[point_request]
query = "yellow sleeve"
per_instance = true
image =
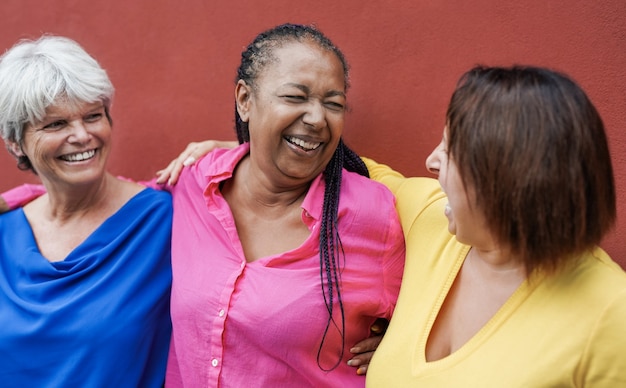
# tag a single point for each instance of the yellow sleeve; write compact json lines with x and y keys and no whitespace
{"x":604,"y":362}
{"x":413,"y":195}
{"x":384,"y":174}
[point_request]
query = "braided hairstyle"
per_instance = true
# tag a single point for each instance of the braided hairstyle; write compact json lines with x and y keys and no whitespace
{"x":254,"y":60}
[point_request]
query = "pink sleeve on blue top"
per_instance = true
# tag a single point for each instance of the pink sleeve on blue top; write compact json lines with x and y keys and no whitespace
{"x":23,"y":194}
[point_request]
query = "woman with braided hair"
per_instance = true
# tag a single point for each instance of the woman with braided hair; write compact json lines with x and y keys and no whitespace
{"x":280,"y":261}
{"x":279,"y":234}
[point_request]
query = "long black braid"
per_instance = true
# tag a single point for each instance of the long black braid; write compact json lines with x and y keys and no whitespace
{"x":253,"y":60}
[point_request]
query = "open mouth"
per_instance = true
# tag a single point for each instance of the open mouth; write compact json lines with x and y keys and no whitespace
{"x":305,"y":145}
{"x":79,"y":156}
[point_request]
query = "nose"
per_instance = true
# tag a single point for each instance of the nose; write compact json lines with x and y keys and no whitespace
{"x":433,"y":162}
{"x":315,"y":115}
{"x":79,"y":133}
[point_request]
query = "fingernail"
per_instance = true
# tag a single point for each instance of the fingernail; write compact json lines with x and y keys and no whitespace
{"x":355,"y":349}
{"x":189,"y":160}
{"x":361,"y":370}
{"x":351,"y":362}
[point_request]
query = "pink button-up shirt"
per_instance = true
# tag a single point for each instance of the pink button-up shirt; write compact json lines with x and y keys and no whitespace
{"x":260,"y":324}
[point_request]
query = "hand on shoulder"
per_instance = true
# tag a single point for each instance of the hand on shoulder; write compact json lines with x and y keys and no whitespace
{"x":193,"y":152}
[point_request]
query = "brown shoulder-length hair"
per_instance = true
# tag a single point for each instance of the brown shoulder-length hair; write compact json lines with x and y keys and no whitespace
{"x":532,"y":146}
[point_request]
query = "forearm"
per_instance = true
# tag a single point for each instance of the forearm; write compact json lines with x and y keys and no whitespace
{"x":20,"y":196}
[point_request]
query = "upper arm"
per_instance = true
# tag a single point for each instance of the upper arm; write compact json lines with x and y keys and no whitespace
{"x":384,"y":174}
{"x":393,"y":263}
{"x":604,"y":361}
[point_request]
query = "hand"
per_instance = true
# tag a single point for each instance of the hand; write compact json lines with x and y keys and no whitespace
{"x":3,"y":206}
{"x":193,"y":152}
{"x":364,"y":350}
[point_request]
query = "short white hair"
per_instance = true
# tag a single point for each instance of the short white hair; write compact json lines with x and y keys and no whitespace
{"x":35,"y":74}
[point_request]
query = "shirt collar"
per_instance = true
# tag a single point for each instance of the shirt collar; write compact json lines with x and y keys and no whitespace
{"x":222,"y":162}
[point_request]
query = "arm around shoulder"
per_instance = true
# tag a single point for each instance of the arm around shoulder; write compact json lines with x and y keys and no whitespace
{"x":384,"y":174}
{"x":20,"y":196}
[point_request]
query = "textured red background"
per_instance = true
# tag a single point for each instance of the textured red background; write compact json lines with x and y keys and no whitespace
{"x":173,"y":64}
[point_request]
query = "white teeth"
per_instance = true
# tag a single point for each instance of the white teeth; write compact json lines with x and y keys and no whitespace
{"x":79,"y":156}
{"x":303,"y":144}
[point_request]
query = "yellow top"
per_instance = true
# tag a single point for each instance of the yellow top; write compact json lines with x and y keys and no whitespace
{"x":567,"y":329}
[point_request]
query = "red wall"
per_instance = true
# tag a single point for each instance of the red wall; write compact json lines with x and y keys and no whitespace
{"x":173,"y":64}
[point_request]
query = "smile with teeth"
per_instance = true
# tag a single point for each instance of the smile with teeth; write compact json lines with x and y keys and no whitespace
{"x":305,"y":145}
{"x":78,"y":157}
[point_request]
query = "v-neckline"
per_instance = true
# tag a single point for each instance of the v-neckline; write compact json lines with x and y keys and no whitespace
{"x":509,"y":306}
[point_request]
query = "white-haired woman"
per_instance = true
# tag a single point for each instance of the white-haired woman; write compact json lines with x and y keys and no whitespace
{"x":84,"y":269}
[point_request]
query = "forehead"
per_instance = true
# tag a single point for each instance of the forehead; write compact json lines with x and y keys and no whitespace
{"x":304,"y":60}
{"x":63,"y":107}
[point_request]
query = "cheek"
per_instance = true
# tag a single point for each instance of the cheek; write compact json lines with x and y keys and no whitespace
{"x":101,"y":133}
{"x":336,"y":122}
{"x":32,"y":146}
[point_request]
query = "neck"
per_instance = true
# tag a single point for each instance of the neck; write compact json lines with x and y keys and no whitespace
{"x":497,"y":262}
{"x":258,"y":189}
{"x":71,"y":202}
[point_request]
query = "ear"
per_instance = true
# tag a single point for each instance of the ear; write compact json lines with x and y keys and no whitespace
{"x":15,"y":149}
{"x":243,"y":95}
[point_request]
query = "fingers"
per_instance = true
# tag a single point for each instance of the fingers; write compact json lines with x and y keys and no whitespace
{"x":193,"y":152}
{"x":363,"y":352}
{"x":361,"y":362}
{"x":197,"y":150}
{"x":171,"y":173}
{"x":379,"y":326}
{"x":367,"y":345}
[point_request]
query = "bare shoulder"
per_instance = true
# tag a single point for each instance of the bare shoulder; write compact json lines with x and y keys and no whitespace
{"x":124,"y":189}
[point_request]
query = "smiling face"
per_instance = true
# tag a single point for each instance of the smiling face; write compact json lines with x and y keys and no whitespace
{"x":70,"y":145}
{"x":295,"y":111}
{"x":465,"y":220}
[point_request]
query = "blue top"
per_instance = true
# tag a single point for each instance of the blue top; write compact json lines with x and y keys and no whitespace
{"x":100,"y":318}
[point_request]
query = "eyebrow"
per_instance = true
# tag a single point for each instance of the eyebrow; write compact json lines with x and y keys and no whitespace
{"x":55,"y":116}
{"x":306,"y":90}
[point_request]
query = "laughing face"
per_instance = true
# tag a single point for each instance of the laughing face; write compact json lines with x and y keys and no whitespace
{"x":70,"y":145}
{"x":465,"y":220}
{"x":295,"y":112}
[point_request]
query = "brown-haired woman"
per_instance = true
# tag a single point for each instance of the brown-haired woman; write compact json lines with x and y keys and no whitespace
{"x":517,"y":294}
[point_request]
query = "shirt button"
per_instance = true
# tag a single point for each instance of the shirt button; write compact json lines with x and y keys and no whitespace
{"x":214,"y":362}
{"x":221,"y":313}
